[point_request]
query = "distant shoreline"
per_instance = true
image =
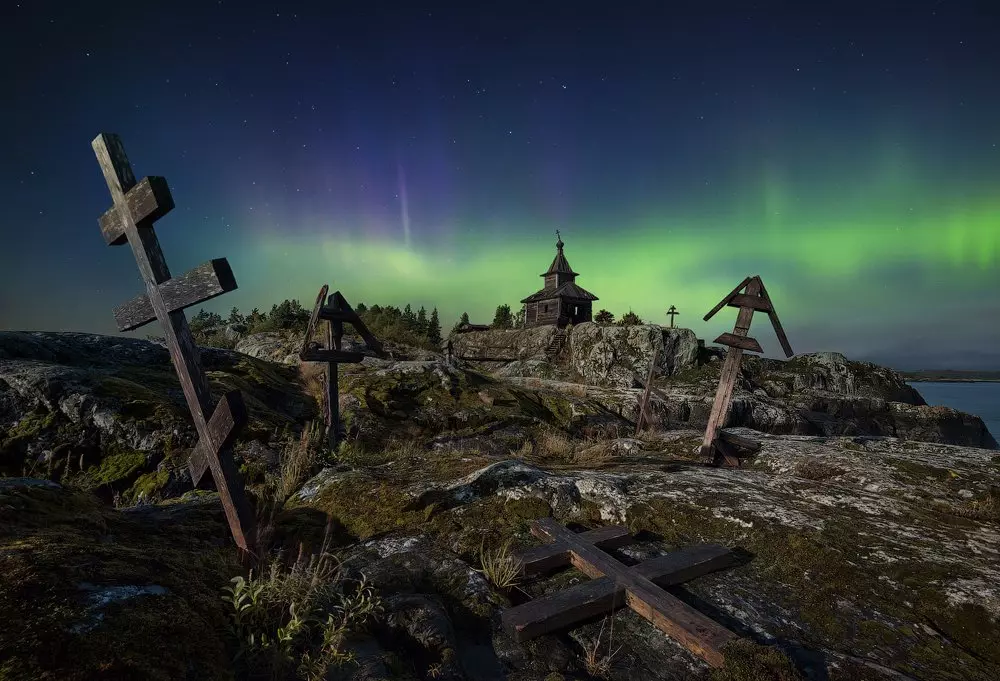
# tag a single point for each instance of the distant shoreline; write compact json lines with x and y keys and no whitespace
{"x":952,"y":380}
{"x":951,"y":376}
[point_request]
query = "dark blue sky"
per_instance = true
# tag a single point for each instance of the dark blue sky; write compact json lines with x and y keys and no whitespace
{"x":425,"y":152}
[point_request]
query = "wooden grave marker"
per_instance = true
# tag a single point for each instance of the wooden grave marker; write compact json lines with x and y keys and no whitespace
{"x":672,"y":312}
{"x":750,"y":296}
{"x":614,"y":585}
{"x":130,"y":220}
{"x":335,"y":311}
{"x":644,"y":401}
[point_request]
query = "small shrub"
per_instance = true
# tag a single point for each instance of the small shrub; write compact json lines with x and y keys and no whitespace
{"x":293,"y":623}
{"x":500,"y":566}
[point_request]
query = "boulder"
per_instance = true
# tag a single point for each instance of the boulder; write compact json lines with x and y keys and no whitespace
{"x":612,"y":355}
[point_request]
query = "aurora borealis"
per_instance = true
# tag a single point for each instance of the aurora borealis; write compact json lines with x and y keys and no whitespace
{"x":426,"y":153}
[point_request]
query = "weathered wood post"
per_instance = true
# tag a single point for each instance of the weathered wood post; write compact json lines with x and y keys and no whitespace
{"x":334,"y":312}
{"x":644,"y":402}
{"x":130,"y":220}
{"x":672,"y":312}
{"x":754,"y":297}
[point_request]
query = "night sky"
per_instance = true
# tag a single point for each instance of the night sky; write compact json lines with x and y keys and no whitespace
{"x":849,"y":153}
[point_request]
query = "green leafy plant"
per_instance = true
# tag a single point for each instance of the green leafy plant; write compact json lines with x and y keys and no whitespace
{"x":294,"y":622}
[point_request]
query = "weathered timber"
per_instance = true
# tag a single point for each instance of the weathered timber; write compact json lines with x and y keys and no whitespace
{"x":335,"y":311}
{"x":653,"y":390}
{"x":645,"y":394}
{"x":314,"y":318}
{"x":726,"y":300}
{"x":331,"y":314}
{"x":367,"y":336}
{"x":739,"y":441}
{"x":753,"y":291}
{"x":541,"y":559}
{"x":147,"y":201}
{"x":604,"y":595}
{"x":741,"y":342}
{"x":686,"y":625}
{"x":756,"y":302}
{"x":135,"y":219}
{"x":200,"y":284}
{"x":775,"y":322}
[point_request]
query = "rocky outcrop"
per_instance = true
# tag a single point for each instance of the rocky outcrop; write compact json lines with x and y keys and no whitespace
{"x":612,"y":355}
{"x":108,"y":412}
{"x":597,"y":355}
{"x":507,"y":345}
{"x":865,"y":557}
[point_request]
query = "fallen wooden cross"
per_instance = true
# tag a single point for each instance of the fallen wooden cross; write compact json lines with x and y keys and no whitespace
{"x":335,"y":310}
{"x":130,"y":220}
{"x":749,"y":297}
{"x":614,"y":585}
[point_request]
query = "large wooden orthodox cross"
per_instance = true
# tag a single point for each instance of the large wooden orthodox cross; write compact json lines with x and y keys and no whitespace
{"x":614,"y":585}
{"x":335,"y":310}
{"x":130,"y":220}
{"x":749,"y":297}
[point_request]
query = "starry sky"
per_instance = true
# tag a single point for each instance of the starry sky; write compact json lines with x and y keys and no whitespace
{"x":425,"y":153}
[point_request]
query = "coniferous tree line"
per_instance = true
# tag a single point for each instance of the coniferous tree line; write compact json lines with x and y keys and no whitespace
{"x":387,"y":322}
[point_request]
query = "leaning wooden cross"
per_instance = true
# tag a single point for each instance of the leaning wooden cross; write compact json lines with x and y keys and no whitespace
{"x":749,"y":297}
{"x":613,"y":585}
{"x":644,"y":400}
{"x":130,"y":220}
{"x":335,"y":312}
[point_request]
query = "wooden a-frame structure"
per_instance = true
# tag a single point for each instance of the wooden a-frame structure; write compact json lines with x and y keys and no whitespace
{"x":750,"y":296}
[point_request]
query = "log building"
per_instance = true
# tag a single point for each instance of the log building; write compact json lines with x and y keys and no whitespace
{"x":561,"y":302}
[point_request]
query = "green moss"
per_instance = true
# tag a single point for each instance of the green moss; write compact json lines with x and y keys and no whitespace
{"x":54,"y":541}
{"x":117,"y":467}
{"x":748,"y":661}
{"x":148,"y":486}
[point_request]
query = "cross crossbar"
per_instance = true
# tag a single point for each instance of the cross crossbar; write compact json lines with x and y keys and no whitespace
{"x":136,"y":207}
{"x":614,"y":585}
{"x":200,"y":284}
{"x":147,"y":201}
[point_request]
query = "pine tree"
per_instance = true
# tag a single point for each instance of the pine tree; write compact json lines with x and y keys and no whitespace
{"x":464,"y":319}
{"x":630,"y":319}
{"x":519,"y":318}
{"x":604,"y":318}
{"x":503,"y":318}
{"x":422,"y":321}
{"x":434,"y":328}
{"x":409,"y":319}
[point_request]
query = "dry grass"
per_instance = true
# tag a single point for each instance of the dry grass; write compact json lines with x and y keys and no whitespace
{"x":985,"y":508}
{"x":598,"y":664}
{"x":817,"y":469}
{"x":500,"y":566}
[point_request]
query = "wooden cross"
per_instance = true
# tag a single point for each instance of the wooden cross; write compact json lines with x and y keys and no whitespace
{"x":335,"y":312}
{"x":672,"y":312}
{"x":644,"y":401}
{"x":749,"y":297}
{"x":130,"y":220}
{"x":613,"y":585}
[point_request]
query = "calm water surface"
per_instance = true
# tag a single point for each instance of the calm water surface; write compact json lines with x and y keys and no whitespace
{"x":981,"y":399}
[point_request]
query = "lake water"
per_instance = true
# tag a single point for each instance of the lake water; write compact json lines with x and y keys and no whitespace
{"x":981,"y":399}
